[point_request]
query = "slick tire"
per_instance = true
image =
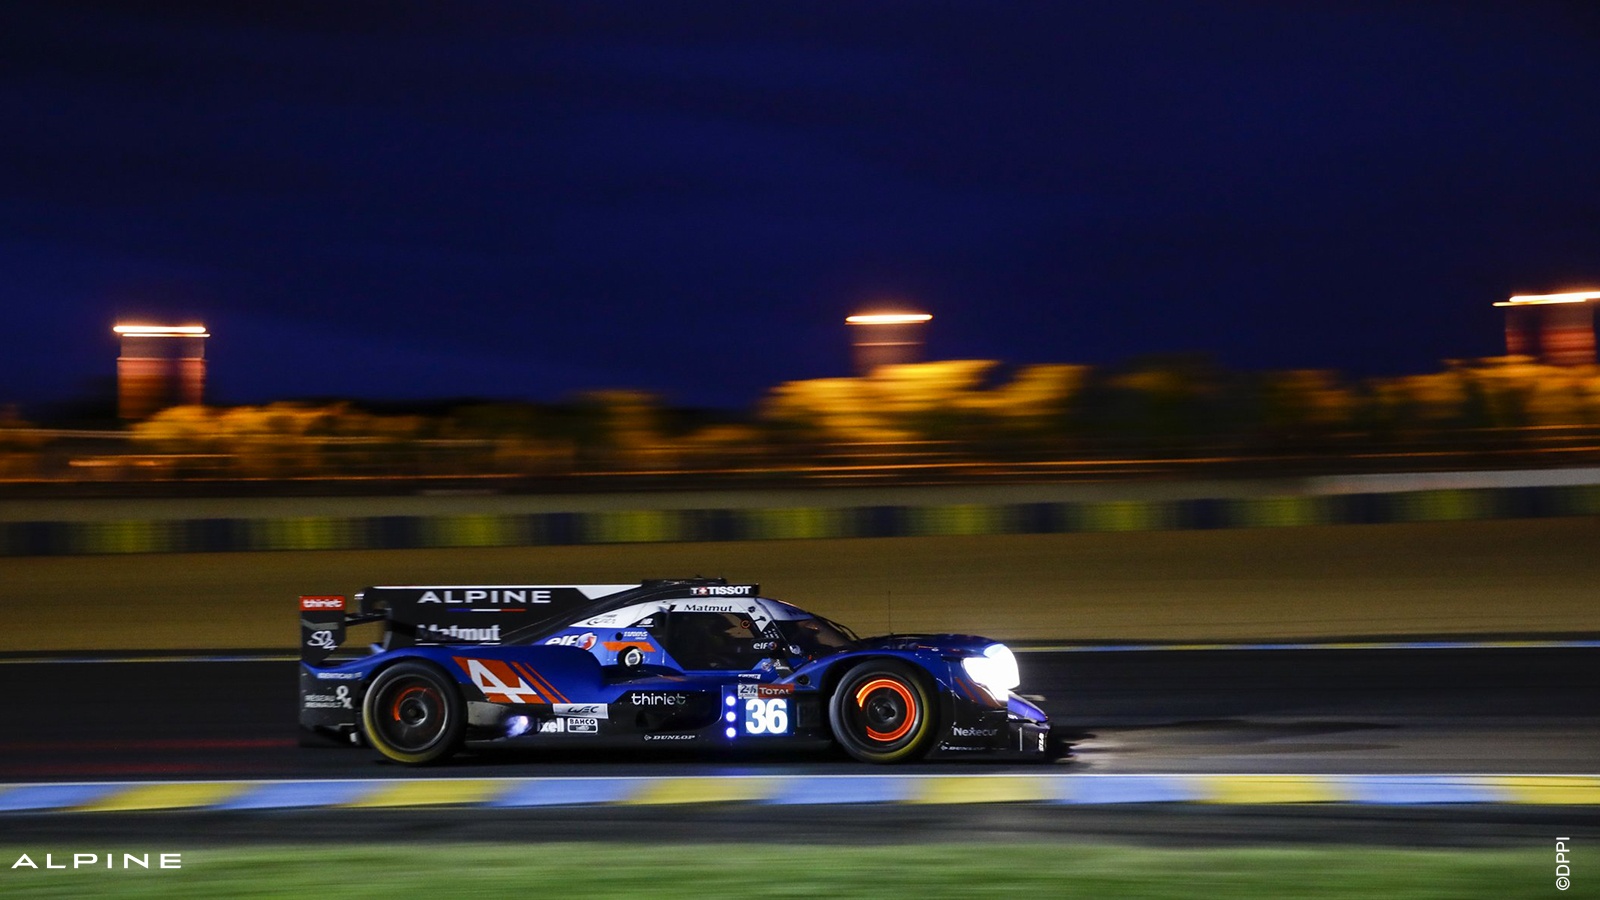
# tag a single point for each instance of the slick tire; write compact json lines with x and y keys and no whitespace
{"x":884,"y":712}
{"x":413,"y":714}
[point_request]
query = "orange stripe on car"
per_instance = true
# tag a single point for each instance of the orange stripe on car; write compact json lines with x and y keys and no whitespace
{"x":543,"y":683}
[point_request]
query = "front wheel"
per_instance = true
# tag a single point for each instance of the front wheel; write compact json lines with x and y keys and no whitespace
{"x":883,"y":712}
{"x":413,"y":714}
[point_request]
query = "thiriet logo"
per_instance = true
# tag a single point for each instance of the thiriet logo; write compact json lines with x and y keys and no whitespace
{"x":109,"y":861}
{"x":643,"y":698}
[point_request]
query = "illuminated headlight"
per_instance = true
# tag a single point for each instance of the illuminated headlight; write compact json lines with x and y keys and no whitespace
{"x":995,"y":670}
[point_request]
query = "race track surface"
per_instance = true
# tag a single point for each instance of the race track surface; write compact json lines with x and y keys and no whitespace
{"x":1445,"y":711}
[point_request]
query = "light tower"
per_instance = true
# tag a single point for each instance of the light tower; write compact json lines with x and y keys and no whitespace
{"x":1557,"y":328}
{"x":884,"y":339}
{"x":160,"y":366}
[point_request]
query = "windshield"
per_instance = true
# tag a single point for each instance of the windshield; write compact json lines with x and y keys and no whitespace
{"x":816,"y":636}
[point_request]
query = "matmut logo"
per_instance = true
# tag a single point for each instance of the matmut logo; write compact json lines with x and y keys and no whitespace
{"x":321,"y":602}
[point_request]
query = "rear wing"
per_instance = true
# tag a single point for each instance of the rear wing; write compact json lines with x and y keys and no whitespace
{"x":420,"y":615}
{"x":322,"y":624}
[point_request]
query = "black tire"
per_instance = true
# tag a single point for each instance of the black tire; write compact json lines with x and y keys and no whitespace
{"x":883,"y":712}
{"x":413,"y":714}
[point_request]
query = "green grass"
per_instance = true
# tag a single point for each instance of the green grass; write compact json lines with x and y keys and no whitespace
{"x":922,"y":871}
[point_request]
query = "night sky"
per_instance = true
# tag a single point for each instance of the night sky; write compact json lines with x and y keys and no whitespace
{"x":526,"y":199}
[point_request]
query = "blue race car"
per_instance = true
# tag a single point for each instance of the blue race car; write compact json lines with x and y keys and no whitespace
{"x":683,"y":662}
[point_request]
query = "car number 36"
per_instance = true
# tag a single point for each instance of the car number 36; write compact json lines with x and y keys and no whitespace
{"x":766,"y":716}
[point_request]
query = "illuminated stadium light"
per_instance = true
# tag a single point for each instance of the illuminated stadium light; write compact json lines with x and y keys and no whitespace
{"x":159,"y":366}
{"x":888,"y":338}
{"x":1555,"y":329}
{"x":1542,"y":299}
{"x":162,"y":331}
{"x":888,"y":319}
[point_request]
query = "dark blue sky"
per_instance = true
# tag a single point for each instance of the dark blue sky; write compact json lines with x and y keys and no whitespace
{"x":527,"y":199}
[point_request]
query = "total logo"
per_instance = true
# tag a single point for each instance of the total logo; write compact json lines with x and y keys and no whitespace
{"x":651,"y":698}
{"x":746,"y":691}
{"x":583,"y":641}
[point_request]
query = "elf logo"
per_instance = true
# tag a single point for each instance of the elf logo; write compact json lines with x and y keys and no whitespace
{"x":583,"y":641}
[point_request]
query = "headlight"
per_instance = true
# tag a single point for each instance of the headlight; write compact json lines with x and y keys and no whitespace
{"x":996,"y":670}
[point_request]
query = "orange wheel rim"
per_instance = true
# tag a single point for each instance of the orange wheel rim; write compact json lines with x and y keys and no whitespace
{"x":395,"y":710}
{"x":878,"y":684}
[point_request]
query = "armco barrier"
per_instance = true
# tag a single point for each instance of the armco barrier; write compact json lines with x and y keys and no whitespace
{"x":207,"y":535}
{"x":1080,"y":789}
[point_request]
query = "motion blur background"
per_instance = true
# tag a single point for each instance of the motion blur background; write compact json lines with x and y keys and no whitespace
{"x":1227,"y":322}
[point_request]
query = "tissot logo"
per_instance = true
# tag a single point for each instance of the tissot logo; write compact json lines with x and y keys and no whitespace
{"x":652,"y":698}
{"x":722,"y":590}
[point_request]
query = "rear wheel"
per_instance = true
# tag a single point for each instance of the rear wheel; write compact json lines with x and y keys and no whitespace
{"x":413,"y":714}
{"x":883,"y":712}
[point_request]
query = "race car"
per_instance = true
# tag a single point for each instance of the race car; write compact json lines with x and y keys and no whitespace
{"x":685,"y":662}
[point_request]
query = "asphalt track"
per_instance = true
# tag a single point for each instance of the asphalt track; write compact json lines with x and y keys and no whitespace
{"x":1412,"y":711}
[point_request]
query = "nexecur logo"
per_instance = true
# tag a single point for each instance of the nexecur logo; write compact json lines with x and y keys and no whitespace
{"x":110,"y":862}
